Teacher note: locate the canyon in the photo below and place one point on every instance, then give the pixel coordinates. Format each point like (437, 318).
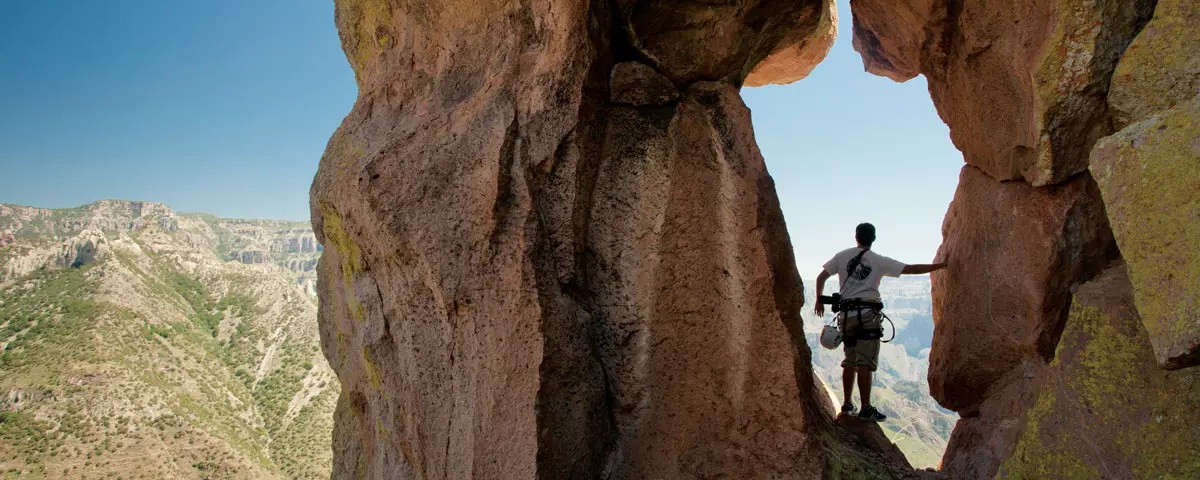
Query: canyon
(552, 248)
(137, 342)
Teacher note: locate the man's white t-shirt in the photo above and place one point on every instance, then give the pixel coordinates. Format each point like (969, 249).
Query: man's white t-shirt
(864, 281)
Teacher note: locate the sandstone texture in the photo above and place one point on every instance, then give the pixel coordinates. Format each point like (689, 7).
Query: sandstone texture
(697, 378)
(984, 439)
(1160, 68)
(552, 249)
(1104, 408)
(1021, 248)
(1077, 122)
(692, 41)
(1022, 84)
(1149, 174)
(799, 53)
(639, 85)
(894, 38)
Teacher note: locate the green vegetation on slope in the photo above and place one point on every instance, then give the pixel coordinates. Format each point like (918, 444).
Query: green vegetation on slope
(156, 362)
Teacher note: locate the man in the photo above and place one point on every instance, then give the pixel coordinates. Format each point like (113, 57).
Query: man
(859, 270)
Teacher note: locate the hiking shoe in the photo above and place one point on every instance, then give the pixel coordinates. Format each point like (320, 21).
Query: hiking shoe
(871, 414)
(848, 408)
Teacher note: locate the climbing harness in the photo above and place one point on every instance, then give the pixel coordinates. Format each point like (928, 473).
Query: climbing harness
(832, 336)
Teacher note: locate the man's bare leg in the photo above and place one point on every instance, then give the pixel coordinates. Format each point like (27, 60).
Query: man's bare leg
(864, 385)
(847, 383)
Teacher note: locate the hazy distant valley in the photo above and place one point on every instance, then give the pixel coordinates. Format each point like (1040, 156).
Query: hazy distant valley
(136, 342)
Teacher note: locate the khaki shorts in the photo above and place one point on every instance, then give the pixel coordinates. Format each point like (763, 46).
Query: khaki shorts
(864, 353)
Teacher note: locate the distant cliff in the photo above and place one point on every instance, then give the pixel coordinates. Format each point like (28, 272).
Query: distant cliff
(290, 245)
(36, 238)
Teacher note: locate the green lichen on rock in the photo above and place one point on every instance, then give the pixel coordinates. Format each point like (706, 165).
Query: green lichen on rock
(364, 25)
(1167, 444)
(341, 345)
(357, 310)
(1036, 459)
(843, 463)
(1107, 365)
(344, 150)
(1149, 176)
(336, 236)
(1120, 385)
(1161, 68)
(1078, 59)
(372, 371)
(351, 256)
(1070, 51)
(1107, 410)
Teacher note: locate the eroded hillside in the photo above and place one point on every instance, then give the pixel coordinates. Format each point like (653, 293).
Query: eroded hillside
(136, 349)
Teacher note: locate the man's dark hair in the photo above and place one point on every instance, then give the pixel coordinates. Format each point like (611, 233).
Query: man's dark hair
(865, 234)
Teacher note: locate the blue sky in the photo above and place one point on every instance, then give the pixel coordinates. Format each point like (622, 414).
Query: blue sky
(224, 106)
(221, 106)
(846, 147)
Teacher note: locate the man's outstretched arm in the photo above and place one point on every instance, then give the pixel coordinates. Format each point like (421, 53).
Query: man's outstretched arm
(922, 268)
(817, 307)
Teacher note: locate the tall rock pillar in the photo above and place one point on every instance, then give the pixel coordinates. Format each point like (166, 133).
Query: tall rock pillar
(553, 249)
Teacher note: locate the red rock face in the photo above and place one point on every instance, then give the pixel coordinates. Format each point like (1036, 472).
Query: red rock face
(984, 440)
(1024, 88)
(1015, 251)
(553, 250)
(1104, 409)
(1022, 84)
(1101, 409)
(430, 312)
(800, 51)
(696, 379)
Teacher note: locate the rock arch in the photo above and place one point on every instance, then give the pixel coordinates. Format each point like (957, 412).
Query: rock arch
(553, 249)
